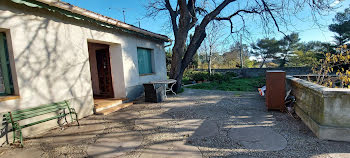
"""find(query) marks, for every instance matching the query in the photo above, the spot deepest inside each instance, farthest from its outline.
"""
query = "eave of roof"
(80, 13)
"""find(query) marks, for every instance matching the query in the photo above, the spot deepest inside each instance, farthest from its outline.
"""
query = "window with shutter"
(144, 57)
(6, 85)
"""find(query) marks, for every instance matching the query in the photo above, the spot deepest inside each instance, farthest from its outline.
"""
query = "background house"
(52, 51)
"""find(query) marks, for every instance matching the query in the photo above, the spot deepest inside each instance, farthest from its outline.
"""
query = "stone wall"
(255, 72)
(326, 111)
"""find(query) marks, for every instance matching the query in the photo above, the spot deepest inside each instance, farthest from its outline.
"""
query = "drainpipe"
(171, 43)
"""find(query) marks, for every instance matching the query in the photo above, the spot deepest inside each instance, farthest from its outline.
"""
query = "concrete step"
(113, 109)
(102, 104)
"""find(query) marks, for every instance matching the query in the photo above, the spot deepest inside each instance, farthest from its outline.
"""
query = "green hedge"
(202, 76)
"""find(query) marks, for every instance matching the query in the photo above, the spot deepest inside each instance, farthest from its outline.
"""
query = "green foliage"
(168, 54)
(181, 90)
(228, 59)
(265, 48)
(240, 84)
(190, 76)
(195, 61)
(287, 46)
(195, 76)
(289, 51)
(301, 58)
(199, 76)
(341, 27)
(221, 77)
(338, 63)
(218, 77)
(249, 63)
(316, 46)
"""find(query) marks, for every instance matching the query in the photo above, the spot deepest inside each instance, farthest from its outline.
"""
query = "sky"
(135, 14)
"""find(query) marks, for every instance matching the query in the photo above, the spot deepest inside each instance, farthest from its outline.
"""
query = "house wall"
(51, 60)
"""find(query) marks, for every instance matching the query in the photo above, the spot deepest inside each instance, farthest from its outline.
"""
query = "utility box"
(275, 89)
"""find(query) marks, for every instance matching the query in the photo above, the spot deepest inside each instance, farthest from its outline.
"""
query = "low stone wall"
(326, 111)
(255, 72)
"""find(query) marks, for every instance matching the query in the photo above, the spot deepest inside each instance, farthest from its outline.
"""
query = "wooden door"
(104, 73)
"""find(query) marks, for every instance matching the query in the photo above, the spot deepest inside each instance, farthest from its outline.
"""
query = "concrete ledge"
(324, 132)
(326, 111)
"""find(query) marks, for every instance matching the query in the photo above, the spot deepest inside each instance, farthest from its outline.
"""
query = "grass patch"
(181, 91)
(239, 84)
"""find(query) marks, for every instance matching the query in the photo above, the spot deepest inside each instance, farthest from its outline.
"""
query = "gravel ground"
(198, 123)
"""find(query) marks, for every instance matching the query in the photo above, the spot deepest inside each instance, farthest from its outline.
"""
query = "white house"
(51, 51)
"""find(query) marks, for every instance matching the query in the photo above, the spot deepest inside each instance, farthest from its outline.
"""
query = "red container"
(275, 89)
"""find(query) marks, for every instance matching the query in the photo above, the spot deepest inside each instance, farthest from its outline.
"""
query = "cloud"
(336, 2)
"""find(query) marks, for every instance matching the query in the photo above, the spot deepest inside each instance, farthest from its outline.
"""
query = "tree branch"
(236, 13)
(266, 7)
(215, 12)
(228, 18)
(173, 16)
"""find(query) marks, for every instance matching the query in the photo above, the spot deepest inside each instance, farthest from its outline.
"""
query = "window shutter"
(141, 61)
(148, 64)
(144, 61)
(5, 65)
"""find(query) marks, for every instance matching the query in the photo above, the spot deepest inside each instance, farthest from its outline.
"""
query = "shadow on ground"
(196, 123)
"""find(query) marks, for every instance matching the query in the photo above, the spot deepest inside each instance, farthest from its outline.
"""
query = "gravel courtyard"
(196, 123)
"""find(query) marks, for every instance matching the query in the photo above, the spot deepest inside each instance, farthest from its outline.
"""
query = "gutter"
(102, 18)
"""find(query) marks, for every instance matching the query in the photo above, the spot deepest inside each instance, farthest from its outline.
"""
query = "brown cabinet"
(275, 89)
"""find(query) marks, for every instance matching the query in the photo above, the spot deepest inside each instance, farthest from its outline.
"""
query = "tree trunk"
(175, 71)
(180, 58)
(283, 62)
(209, 66)
(178, 85)
(209, 60)
(196, 41)
(262, 64)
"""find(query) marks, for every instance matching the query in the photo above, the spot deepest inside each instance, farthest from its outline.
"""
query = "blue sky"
(135, 12)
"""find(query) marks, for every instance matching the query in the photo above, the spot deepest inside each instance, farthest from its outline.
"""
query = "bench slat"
(50, 108)
(40, 107)
(31, 115)
(44, 120)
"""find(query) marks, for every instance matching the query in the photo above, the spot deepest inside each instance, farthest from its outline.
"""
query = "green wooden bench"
(60, 108)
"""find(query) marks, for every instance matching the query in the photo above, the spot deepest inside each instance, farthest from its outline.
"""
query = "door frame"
(100, 46)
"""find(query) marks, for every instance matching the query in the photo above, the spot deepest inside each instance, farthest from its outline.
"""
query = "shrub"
(217, 77)
(199, 76)
(222, 76)
(187, 75)
(231, 74)
(237, 84)
(333, 63)
(203, 75)
(186, 81)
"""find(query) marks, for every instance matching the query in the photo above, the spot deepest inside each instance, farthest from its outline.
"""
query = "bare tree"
(211, 42)
(193, 15)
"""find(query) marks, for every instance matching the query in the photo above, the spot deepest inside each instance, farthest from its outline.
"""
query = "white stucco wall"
(51, 59)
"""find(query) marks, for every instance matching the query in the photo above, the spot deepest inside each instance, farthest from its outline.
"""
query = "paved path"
(196, 123)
